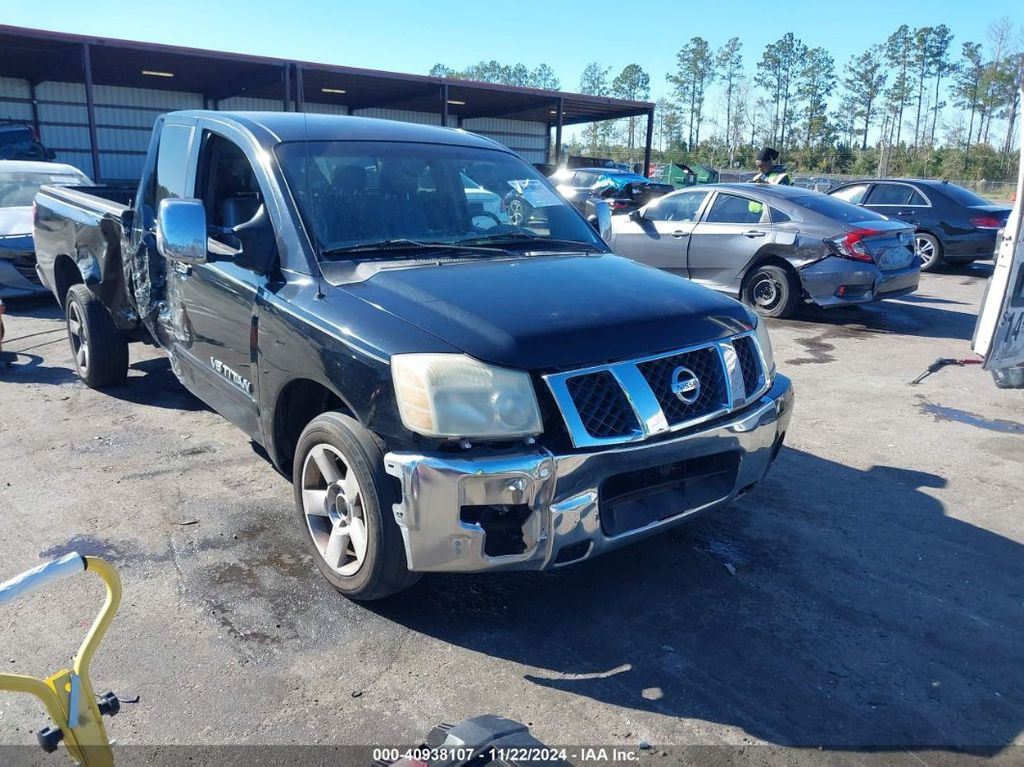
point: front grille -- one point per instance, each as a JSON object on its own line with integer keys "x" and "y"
{"x": 747, "y": 353}
{"x": 634, "y": 399}
{"x": 602, "y": 405}
{"x": 706, "y": 366}
{"x": 26, "y": 267}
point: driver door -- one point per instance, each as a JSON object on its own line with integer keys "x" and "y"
{"x": 659, "y": 234}
{"x": 217, "y": 300}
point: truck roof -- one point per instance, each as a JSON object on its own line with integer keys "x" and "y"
{"x": 301, "y": 126}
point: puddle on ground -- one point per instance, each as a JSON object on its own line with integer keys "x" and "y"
{"x": 943, "y": 413}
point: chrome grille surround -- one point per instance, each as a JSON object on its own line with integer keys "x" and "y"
{"x": 640, "y": 395}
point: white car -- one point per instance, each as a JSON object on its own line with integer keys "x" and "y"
{"x": 19, "y": 182}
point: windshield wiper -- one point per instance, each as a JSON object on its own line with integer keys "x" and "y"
{"x": 512, "y": 237}
{"x": 383, "y": 246}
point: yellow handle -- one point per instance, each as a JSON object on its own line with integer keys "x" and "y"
{"x": 87, "y": 742}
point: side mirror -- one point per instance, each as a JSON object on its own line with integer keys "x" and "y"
{"x": 636, "y": 215}
{"x": 181, "y": 231}
{"x": 604, "y": 220}
{"x": 51, "y": 154}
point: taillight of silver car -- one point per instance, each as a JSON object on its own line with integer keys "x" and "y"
{"x": 852, "y": 245}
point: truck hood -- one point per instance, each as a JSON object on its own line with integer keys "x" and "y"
{"x": 15, "y": 221}
{"x": 549, "y": 312}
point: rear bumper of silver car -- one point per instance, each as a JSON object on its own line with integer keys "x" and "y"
{"x": 834, "y": 281}
{"x": 535, "y": 510}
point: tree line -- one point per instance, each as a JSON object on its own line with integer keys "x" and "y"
{"x": 918, "y": 102}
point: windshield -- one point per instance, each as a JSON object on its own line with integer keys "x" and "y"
{"x": 962, "y": 196}
{"x": 16, "y": 135}
{"x": 835, "y": 209}
{"x": 354, "y": 195}
{"x": 19, "y": 189}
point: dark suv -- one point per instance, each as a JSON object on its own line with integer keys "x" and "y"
{"x": 954, "y": 225}
{"x": 18, "y": 141}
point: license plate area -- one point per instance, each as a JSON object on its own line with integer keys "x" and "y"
{"x": 638, "y": 498}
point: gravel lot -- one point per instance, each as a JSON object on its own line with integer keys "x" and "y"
{"x": 869, "y": 595}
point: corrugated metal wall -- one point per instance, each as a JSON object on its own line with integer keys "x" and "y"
{"x": 125, "y": 116}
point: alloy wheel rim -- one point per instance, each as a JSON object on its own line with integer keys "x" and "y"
{"x": 332, "y": 503}
{"x": 766, "y": 292}
{"x": 516, "y": 214}
{"x": 925, "y": 249}
{"x": 79, "y": 339}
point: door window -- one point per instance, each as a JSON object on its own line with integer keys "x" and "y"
{"x": 894, "y": 194}
{"x": 172, "y": 161}
{"x": 676, "y": 207}
{"x": 852, "y": 194}
{"x": 733, "y": 209}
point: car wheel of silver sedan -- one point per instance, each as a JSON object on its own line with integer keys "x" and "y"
{"x": 771, "y": 291}
{"x": 928, "y": 250}
{"x": 345, "y": 500}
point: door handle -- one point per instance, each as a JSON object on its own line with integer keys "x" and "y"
{"x": 680, "y": 235}
{"x": 753, "y": 233}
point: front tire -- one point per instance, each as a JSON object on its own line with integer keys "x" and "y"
{"x": 99, "y": 349}
{"x": 344, "y": 499}
{"x": 771, "y": 291}
{"x": 929, "y": 251}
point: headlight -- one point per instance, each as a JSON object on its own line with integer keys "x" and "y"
{"x": 765, "y": 342}
{"x": 452, "y": 395}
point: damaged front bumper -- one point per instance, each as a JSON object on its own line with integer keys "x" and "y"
{"x": 536, "y": 510}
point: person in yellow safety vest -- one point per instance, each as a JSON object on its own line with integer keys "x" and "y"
{"x": 769, "y": 169}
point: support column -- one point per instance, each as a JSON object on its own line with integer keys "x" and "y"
{"x": 300, "y": 90}
{"x": 650, "y": 141}
{"x": 287, "y": 77}
{"x": 35, "y": 107}
{"x": 558, "y": 131}
{"x": 444, "y": 105}
{"x": 90, "y": 109}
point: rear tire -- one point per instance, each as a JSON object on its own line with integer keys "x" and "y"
{"x": 99, "y": 349}
{"x": 929, "y": 251}
{"x": 344, "y": 500}
{"x": 771, "y": 291}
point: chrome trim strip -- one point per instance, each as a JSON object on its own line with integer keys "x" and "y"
{"x": 641, "y": 397}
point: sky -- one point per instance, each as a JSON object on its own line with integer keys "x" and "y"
{"x": 410, "y": 35}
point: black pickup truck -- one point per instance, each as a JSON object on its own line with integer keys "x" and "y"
{"x": 449, "y": 391}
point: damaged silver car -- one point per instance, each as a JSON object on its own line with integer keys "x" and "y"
{"x": 773, "y": 247}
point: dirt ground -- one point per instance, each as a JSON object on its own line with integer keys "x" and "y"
{"x": 868, "y": 596}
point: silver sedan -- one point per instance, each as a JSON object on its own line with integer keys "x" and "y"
{"x": 773, "y": 247}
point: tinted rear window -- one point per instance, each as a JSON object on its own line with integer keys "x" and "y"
{"x": 837, "y": 210}
{"x": 962, "y": 196}
{"x": 16, "y": 135}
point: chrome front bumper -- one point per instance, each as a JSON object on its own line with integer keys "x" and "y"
{"x": 561, "y": 493}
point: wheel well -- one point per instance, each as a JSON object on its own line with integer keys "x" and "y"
{"x": 299, "y": 403}
{"x": 65, "y": 274}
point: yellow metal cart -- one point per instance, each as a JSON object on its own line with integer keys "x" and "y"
{"x": 77, "y": 712}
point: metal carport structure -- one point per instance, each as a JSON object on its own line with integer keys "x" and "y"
{"x": 94, "y": 100}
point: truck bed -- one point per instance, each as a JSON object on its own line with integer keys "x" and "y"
{"x": 78, "y": 233}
